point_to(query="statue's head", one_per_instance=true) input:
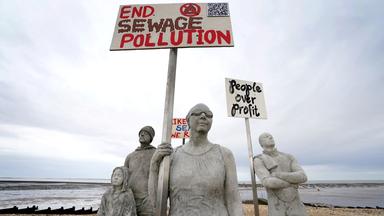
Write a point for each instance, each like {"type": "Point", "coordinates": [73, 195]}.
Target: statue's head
{"type": "Point", "coordinates": [199, 118]}
{"type": "Point", "coordinates": [120, 177]}
{"type": "Point", "coordinates": [266, 141]}
{"type": "Point", "coordinates": [146, 135]}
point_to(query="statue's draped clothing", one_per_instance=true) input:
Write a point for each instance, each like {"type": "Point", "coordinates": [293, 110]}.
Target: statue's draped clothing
{"type": "Point", "coordinates": [197, 183]}
{"type": "Point", "coordinates": [138, 163]}
{"type": "Point", "coordinates": [281, 201]}
{"type": "Point", "coordinates": [117, 204]}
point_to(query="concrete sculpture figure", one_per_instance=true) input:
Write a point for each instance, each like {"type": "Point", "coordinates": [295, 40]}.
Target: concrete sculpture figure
{"type": "Point", "coordinates": [280, 174]}
{"type": "Point", "coordinates": [203, 179]}
{"type": "Point", "coordinates": [138, 163]}
{"type": "Point", "coordinates": [118, 200]}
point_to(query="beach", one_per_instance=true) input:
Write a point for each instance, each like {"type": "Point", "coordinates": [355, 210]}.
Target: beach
{"type": "Point", "coordinates": [338, 198]}
{"type": "Point", "coordinates": [316, 211]}
{"type": "Point", "coordinates": [263, 211]}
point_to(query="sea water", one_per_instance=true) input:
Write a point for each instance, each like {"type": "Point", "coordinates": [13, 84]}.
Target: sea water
{"type": "Point", "coordinates": [56, 193]}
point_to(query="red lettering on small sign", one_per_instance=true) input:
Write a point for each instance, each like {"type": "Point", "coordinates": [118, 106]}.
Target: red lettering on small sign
{"type": "Point", "coordinates": [125, 10]}
{"type": "Point", "coordinates": [148, 42]}
{"type": "Point", "coordinates": [175, 38]}
{"type": "Point", "coordinates": [126, 38]}
{"type": "Point", "coordinates": [160, 42]}
{"type": "Point", "coordinates": [141, 11]}
{"type": "Point", "coordinates": [177, 42]}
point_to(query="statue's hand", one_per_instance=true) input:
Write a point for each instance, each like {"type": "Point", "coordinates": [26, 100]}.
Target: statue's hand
{"type": "Point", "coordinates": [162, 150]}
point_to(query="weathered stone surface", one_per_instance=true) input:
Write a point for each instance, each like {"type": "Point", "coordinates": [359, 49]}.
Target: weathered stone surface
{"type": "Point", "coordinates": [138, 163]}
{"type": "Point", "coordinates": [280, 173]}
{"type": "Point", "coordinates": [118, 200]}
{"type": "Point", "coordinates": [203, 179]}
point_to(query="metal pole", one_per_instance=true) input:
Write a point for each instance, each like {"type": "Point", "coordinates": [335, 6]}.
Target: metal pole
{"type": "Point", "coordinates": [162, 189]}
{"type": "Point", "coordinates": [250, 156]}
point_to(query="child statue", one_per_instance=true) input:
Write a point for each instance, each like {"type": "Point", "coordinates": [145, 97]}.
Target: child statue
{"type": "Point", "coordinates": [118, 200]}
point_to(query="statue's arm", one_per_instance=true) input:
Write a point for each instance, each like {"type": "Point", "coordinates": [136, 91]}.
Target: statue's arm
{"type": "Point", "coordinates": [232, 196]}
{"type": "Point", "coordinates": [297, 175]}
{"type": "Point", "coordinates": [163, 150]}
{"type": "Point", "coordinates": [152, 182]}
{"type": "Point", "coordinates": [265, 177]}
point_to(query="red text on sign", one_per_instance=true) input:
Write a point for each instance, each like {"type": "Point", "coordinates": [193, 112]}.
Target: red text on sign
{"type": "Point", "coordinates": [129, 11]}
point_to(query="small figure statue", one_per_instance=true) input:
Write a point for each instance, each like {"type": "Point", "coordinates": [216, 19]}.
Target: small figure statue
{"type": "Point", "coordinates": [280, 174]}
{"type": "Point", "coordinates": [118, 200]}
{"type": "Point", "coordinates": [138, 163]}
{"type": "Point", "coordinates": [202, 178]}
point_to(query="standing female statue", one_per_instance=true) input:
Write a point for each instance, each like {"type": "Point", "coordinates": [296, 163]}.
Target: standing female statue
{"type": "Point", "coordinates": [203, 178]}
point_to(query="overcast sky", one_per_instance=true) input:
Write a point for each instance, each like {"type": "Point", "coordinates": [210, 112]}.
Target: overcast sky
{"type": "Point", "coordinates": [70, 108]}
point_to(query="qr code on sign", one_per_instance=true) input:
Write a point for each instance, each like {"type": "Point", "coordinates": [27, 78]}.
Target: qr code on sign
{"type": "Point", "coordinates": [218, 9]}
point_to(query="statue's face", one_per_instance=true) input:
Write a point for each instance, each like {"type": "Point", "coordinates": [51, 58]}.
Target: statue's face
{"type": "Point", "coordinates": [267, 142]}
{"type": "Point", "coordinates": [200, 119]}
{"type": "Point", "coordinates": [117, 177]}
{"type": "Point", "coordinates": [144, 137]}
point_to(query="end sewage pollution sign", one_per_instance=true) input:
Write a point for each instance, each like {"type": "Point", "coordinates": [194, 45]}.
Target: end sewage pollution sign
{"type": "Point", "coordinates": [172, 26]}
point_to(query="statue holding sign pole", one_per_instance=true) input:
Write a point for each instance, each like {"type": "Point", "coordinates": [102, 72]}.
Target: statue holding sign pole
{"type": "Point", "coordinates": [173, 26]}
{"type": "Point", "coordinates": [280, 174]}
{"type": "Point", "coordinates": [203, 179]}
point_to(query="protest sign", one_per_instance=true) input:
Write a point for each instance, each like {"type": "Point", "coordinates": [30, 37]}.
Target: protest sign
{"type": "Point", "coordinates": [172, 26]}
{"type": "Point", "coordinates": [245, 99]}
{"type": "Point", "coordinates": [180, 128]}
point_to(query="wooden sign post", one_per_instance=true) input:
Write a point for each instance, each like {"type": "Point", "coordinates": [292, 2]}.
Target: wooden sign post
{"type": "Point", "coordinates": [246, 100]}
{"type": "Point", "coordinates": [162, 190]}
{"type": "Point", "coordinates": [156, 26]}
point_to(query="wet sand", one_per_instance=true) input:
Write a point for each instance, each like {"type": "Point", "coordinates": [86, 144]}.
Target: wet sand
{"type": "Point", "coordinates": [315, 211]}
{"type": "Point", "coordinates": [312, 211]}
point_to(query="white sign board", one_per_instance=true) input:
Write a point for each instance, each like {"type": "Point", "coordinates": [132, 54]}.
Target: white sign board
{"type": "Point", "coordinates": [180, 128]}
{"type": "Point", "coordinates": [245, 99]}
{"type": "Point", "coordinates": [172, 25]}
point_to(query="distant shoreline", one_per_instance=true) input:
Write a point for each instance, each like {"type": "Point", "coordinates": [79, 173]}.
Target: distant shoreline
{"type": "Point", "coordinates": [325, 183]}
{"type": "Point", "coordinates": [71, 192]}
{"type": "Point", "coordinates": [309, 184]}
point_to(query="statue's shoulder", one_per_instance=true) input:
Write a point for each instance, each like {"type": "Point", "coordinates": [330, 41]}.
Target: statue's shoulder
{"type": "Point", "coordinates": [258, 157]}
{"type": "Point", "coordinates": [130, 155]}
{"type": "Point", "coordinates": [289, 156]}
{"type": "Point", "coordinates": [223, 149]}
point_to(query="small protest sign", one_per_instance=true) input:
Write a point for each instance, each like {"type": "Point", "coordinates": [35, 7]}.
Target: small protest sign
{"type": "Point", "coordinates": [180, 128]}
{"type": "Point", "coordinates": [172, 25]}
{"type": "Point", "coordinates": [245, 99]}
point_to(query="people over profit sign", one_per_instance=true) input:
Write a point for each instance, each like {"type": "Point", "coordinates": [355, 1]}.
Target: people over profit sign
{"type": "Point", "coordinates": [245, 99]}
